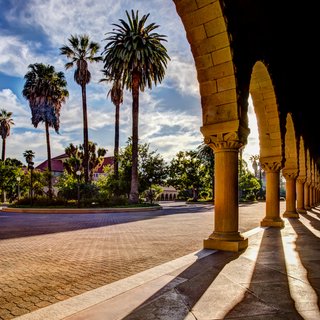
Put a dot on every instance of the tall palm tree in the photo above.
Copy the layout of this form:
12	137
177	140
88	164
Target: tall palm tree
116	96
5	125
254	158
45	89
136	56
80	51
29	156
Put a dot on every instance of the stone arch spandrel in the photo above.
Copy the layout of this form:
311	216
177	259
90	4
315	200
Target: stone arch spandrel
302	159
291	154
206	31
266	110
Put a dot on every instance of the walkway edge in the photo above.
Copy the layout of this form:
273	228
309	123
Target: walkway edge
73	305
79	210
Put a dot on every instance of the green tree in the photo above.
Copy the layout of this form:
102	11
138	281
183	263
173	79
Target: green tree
135	54
206	155
80	52
249	185
10	170
45	89
116	96
75	161
188	172
5	125
152	169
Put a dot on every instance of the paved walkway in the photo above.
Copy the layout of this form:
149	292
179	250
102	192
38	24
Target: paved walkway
50	258
277	277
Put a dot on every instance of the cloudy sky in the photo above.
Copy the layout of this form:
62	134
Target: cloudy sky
32	31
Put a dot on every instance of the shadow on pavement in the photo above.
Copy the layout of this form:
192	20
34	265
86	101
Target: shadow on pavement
17	225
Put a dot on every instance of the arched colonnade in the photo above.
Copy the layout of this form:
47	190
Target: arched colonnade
225	87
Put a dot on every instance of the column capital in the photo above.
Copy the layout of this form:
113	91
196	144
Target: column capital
224	141
290	173
301	179
271	164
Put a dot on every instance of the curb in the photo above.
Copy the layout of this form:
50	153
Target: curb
79	210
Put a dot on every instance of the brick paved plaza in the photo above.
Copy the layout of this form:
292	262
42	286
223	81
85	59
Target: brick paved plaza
46	258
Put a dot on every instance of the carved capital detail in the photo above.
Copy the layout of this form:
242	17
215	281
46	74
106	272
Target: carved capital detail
290	173
222	141
301	179
271	166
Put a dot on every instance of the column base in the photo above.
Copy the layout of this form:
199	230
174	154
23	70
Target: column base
275	222
301	211
225	245
291	214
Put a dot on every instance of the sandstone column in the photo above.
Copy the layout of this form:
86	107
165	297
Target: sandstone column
306	195
300	194
272	170
226	234
290	176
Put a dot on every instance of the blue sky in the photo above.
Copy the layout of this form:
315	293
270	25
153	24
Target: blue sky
32	31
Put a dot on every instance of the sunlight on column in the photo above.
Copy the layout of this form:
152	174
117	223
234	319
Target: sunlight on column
301	291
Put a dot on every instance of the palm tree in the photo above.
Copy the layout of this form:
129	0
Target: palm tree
81	51
135	55
116	96
5	125
254	158
45	89
29	155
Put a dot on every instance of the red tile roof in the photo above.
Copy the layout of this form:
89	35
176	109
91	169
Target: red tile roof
57	164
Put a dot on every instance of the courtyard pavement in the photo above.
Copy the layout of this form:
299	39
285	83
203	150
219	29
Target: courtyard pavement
50	258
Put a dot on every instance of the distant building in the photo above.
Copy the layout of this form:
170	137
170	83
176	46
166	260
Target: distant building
168	194
57	166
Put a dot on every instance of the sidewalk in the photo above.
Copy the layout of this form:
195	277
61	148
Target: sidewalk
277	277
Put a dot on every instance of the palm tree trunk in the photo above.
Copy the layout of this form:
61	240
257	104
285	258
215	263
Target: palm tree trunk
85	134
134	193
3	157
50	193
116	143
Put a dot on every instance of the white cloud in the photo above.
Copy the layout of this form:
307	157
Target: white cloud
36	141
181	74
20	112
16	55
58	19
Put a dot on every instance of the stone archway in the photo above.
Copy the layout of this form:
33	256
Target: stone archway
225	126
290	170
270	140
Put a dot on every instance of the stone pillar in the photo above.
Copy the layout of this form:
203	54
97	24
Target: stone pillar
272	218
290	176
226	234
300	194
306	195
311	195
